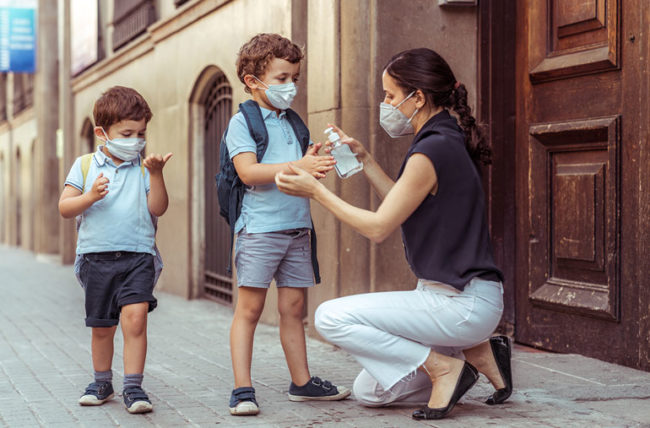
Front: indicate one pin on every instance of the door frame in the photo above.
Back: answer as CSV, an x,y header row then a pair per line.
x,y
496,109
196,256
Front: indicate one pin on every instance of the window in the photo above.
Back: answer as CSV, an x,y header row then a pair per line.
x,y
23,91
130,19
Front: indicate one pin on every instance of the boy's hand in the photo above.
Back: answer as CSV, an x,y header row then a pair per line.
x,y
155,163
314,164
99,189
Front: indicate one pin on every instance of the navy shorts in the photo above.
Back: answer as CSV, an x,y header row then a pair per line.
x,y
115,279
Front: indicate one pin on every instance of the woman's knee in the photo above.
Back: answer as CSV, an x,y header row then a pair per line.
x,y
326,320
365,390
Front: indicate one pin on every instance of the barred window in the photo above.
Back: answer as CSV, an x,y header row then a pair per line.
x,y
130,19
23,91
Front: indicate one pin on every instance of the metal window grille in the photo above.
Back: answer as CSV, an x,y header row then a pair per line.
x,y
130,19
218,109
23,91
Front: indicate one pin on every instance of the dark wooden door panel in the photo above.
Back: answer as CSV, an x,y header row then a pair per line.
x,y
578,177
574,203
573,38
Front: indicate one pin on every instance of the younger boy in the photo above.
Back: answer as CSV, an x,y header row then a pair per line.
x,y
117,194
273,228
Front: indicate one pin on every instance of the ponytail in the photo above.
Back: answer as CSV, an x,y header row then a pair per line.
x,y
475,141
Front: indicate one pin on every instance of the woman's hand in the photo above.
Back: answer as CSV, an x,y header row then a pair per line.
x,y
299,183
355,146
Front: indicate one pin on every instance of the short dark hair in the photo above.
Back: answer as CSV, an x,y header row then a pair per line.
x,y
254,56
120,103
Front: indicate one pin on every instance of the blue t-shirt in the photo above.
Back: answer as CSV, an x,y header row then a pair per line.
x,y
264,207
121,220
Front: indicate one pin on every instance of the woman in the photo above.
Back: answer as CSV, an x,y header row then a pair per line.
x,y
408,341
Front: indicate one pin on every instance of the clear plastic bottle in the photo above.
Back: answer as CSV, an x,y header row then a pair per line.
x,y
346,162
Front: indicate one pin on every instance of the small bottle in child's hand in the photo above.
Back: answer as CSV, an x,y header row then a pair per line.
x,y
346,162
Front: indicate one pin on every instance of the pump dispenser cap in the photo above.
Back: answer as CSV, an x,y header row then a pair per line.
x,y
331,135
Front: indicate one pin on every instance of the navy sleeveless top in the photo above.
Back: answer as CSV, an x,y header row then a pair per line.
x,y
446,239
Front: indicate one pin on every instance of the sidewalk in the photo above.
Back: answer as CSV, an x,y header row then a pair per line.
x,y
45,366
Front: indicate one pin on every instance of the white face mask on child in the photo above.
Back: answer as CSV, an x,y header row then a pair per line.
x,y
126,149
280,96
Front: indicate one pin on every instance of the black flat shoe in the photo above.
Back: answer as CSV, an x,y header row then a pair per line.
x,y
466,380
502,351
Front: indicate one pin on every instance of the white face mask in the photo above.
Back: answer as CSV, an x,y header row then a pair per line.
x,y
126,149
394,122
280,96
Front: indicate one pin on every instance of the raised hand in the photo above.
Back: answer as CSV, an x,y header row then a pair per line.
x,y
99,189
355,145
315,164
155,162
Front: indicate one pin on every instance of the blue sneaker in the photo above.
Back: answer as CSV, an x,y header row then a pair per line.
x,y
317,390
136,400
242,402
97,393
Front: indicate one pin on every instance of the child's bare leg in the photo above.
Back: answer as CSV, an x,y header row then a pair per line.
x,y
102,348
481,357
292,332
134,329
250,303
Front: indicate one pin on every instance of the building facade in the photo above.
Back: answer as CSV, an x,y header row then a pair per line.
x,y
569,258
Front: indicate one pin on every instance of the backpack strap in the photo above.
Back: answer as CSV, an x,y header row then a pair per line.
x,y
299,128
85,166
255,122
302,133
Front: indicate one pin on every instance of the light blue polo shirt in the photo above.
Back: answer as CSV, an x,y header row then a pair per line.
x,y
121,220
264,207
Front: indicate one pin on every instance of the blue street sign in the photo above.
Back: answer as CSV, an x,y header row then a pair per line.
x,y
18,36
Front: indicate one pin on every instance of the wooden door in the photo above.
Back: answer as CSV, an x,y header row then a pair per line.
x,y
579,85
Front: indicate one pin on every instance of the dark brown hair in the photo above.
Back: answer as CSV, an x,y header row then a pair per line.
x,y
120,103
254,56
427,71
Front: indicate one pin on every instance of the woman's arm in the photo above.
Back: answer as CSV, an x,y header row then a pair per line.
x,y
253,173
417,181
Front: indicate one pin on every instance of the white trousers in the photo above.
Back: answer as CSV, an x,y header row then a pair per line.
x,y
392,333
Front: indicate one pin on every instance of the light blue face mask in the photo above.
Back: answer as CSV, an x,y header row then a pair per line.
x,y
280,96
126,149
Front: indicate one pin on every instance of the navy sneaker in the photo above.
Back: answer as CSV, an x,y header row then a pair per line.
x,y
136,400
242,402
317,390
97,393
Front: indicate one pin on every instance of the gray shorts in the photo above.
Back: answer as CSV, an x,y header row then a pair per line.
x,y
284,255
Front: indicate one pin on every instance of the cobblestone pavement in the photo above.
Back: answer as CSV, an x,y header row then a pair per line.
x,y
45,365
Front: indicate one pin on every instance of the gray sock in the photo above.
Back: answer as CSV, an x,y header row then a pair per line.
x,y
106,376
133,380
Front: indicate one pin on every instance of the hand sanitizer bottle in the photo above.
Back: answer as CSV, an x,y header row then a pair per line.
x,y
346,162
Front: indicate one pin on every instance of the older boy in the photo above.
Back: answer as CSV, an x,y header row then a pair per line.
x,y
273,228
117,195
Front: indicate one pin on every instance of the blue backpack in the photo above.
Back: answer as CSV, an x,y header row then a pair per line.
x,y
230,188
